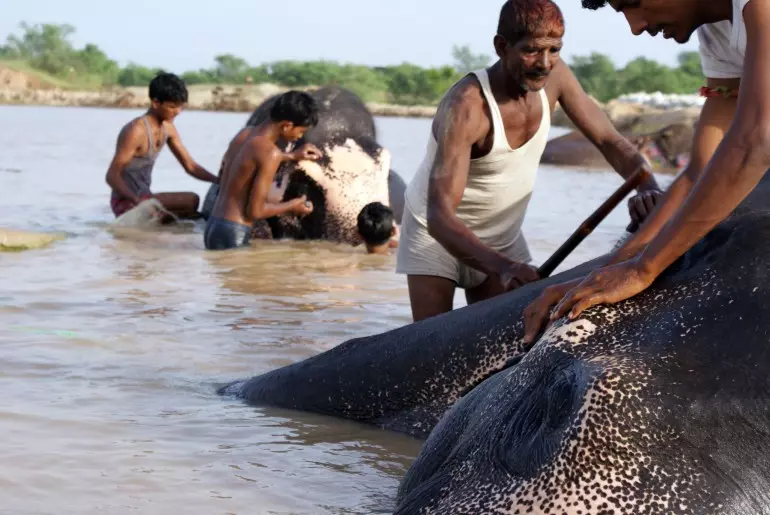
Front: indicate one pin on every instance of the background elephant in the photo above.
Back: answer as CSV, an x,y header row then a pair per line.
x,y
666,148
354,171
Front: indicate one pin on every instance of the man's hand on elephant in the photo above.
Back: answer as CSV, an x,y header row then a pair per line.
x,y
514,275
606,285
641,205
537,314
308,151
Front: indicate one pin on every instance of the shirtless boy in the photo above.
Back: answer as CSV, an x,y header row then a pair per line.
x,y
249,168
139,143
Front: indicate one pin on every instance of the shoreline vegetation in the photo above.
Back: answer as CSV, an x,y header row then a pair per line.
x,y
40,66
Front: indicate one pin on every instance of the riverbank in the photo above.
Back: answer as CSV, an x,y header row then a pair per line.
x,y
21,88
635,113
202,98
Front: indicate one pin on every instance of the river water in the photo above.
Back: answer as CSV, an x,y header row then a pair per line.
x,y
113,344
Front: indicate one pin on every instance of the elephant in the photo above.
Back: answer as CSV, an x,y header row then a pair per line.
x,y
667,148
354,171
655,404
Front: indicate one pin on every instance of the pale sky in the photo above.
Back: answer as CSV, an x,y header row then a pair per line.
x,y
183,35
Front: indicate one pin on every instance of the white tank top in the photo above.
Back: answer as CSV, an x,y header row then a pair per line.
x,y
499,184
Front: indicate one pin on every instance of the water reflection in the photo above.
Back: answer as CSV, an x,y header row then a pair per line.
x,y
115,341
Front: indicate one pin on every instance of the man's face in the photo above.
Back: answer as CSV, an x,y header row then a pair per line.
x,y
167,111
676,19
529,62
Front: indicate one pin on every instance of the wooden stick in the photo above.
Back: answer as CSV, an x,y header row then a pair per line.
x,y
590,223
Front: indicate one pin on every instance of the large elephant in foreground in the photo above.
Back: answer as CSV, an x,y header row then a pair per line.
x,y
658,404
354,171
666,148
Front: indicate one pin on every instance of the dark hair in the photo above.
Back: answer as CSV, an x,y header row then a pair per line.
x,y
167,87
296,107
594,4
526,18
375,223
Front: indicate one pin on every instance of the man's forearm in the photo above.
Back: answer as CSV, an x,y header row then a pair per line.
x,y
460,241
626,160
729,177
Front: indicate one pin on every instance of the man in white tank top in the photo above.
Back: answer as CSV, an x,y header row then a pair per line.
x,y
464,208
729,154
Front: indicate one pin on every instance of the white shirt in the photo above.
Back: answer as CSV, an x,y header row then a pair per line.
x,y
723,45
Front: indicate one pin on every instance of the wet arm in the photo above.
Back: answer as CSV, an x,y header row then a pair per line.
x,y
715,119
260,206
184,158
457,131
740,161
598,129
129,142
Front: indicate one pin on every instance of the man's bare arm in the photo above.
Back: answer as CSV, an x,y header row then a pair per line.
x,y
714,121
461,122
184,158
740,161
598,129
268,161
129,141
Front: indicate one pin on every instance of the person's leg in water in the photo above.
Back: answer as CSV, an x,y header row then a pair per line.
x,y
182,205
430,295
491,287
221,234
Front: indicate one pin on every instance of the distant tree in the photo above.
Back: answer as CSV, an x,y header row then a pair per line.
x,y
230,67
466,61
137,75
689,62
47,47
597,74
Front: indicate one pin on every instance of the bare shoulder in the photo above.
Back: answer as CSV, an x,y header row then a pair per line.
x,y
465,95
170,129
263,149
463,107
132,133
564,82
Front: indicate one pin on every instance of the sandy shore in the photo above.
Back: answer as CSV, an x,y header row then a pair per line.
x,y
18,88
203,98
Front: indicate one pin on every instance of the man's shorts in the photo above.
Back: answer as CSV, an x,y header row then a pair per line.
x,y
120,204
420,254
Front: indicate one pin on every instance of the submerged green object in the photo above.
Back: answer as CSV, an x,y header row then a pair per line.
x,y
12,240
57,332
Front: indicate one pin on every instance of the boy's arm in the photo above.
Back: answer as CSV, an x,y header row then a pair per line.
x,y
183,156
267,163
129,141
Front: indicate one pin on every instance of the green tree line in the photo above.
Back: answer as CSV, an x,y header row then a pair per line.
x,y
48,48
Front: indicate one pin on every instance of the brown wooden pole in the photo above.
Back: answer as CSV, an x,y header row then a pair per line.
x,y
590,223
